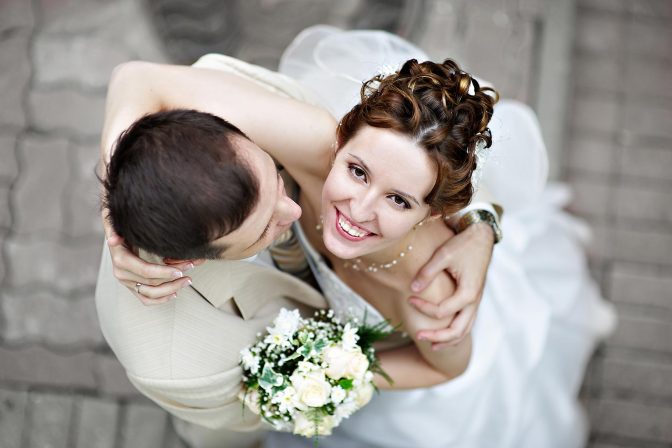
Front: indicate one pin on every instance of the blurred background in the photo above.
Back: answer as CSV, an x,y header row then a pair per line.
x,y
598,73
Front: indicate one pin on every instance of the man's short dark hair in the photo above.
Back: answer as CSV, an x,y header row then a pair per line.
x,y
175,183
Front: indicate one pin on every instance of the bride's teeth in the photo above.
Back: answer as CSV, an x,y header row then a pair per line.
x,y
349,229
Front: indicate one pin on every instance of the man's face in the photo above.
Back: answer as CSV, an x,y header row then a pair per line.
x,y
273,214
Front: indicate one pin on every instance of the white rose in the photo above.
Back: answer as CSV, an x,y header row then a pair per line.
x,y
312,389
251,399
363,394
306,427
345,363
358,366
337,361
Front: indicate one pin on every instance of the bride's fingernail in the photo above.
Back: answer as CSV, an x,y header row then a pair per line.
x,y
415,286
189,267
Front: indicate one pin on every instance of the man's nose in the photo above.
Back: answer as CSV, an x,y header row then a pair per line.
x,y
288,211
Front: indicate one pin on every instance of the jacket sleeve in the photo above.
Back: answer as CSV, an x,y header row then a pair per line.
x,y
210,401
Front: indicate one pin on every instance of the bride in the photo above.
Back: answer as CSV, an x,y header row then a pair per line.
x,y
374,202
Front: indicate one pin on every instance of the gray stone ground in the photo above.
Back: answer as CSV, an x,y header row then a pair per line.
x,y
59,384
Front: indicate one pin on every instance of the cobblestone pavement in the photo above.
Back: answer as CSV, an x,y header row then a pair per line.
x,y
59,384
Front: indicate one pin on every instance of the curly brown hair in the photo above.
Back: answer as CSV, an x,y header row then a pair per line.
x,y
431,104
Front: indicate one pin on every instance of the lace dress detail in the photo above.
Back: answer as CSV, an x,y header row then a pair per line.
x,y
342,299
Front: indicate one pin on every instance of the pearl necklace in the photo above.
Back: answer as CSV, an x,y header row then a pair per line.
x,y
358,264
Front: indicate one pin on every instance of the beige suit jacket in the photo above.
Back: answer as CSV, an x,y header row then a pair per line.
x,y
184,354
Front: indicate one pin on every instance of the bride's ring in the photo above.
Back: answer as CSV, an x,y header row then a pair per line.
x,y
137,287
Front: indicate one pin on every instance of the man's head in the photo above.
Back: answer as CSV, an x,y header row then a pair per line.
x,y
184,184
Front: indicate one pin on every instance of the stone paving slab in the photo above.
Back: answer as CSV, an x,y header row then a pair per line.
x,y
38,191
8,167
144,426
5,217
97,423
625,418
640,285
592,156
41,263
50,420
14,80
646,162
51,320
39,366
85,115
642,333
644,378
12,417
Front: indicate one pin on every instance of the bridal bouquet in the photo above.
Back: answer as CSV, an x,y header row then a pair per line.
x,y
306,375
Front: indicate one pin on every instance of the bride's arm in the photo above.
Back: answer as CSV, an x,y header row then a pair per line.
x,y
451,361
408,370
418,365
296,134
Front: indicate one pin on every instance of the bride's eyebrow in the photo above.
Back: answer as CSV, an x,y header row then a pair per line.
x,y
400,193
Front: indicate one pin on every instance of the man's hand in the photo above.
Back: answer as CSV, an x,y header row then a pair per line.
x,y
466,257
158,283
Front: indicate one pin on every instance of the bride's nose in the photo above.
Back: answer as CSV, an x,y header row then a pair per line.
x,y
362,208
288,211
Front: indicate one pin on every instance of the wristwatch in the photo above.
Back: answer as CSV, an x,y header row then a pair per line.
x,y
476,216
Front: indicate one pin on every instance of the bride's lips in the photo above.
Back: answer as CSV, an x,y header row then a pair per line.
x,y
341,219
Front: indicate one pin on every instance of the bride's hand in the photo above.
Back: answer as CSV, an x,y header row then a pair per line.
x,y
159,283
466,257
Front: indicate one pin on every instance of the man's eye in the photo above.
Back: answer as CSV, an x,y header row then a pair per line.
x,y
399,201
358,172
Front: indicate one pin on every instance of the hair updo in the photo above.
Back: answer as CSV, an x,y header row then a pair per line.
x,y
431,104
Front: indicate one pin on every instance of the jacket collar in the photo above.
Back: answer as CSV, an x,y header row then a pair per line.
x,y
250,286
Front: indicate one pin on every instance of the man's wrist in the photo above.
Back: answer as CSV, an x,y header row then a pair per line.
x,y
482,231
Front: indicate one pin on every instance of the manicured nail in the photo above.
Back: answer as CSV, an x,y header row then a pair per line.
x,y
177,274
189,267
173,296
415,286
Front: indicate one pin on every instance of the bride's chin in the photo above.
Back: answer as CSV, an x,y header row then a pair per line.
x,y
336,248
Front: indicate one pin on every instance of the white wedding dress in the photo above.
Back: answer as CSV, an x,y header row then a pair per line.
x,y
541,314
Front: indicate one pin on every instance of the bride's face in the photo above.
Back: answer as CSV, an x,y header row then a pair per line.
x,y
375,192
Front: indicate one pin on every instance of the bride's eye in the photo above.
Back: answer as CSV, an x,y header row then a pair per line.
x,y
357,172
399,201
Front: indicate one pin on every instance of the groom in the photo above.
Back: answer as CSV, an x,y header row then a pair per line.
x,y
183,353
